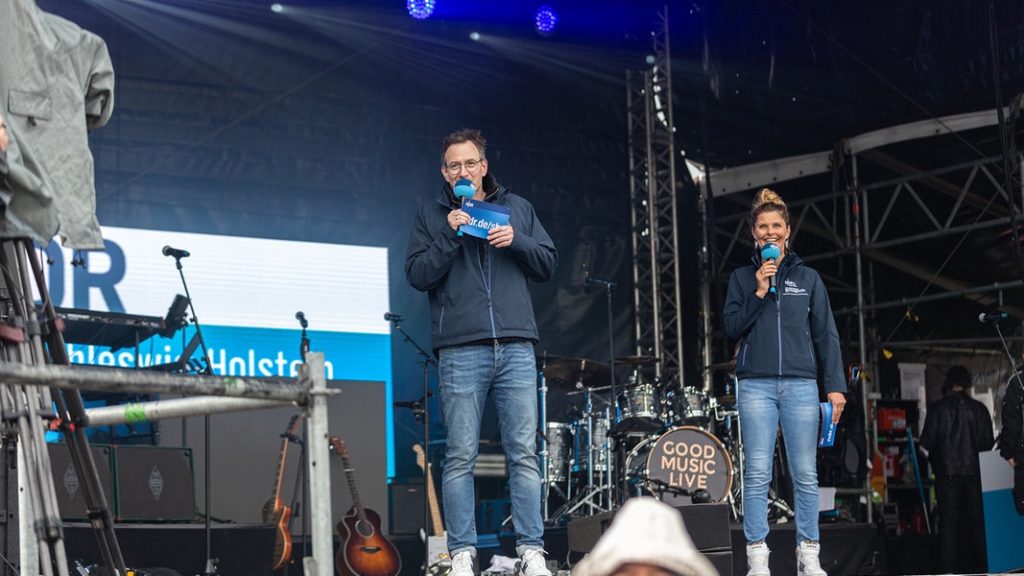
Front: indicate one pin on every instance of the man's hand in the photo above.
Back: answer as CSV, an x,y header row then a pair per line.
x,y
501,236
3,134
838,401
457,218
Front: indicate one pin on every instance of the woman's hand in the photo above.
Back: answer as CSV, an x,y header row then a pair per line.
x,y
763,275
838,401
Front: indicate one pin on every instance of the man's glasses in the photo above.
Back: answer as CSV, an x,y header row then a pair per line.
x,y
456,167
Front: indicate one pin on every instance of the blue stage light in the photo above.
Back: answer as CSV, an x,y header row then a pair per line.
x,y
276,8
420,9
546,19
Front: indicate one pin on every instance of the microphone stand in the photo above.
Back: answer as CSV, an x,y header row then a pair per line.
x,y
426,360
210,568
303,351
304,341
609,287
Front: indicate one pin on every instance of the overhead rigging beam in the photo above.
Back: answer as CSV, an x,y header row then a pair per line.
x,y
741,178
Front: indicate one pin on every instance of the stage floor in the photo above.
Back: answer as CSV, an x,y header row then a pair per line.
x,y
847,549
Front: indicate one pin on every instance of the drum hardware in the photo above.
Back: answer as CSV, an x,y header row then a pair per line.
x,y
586,439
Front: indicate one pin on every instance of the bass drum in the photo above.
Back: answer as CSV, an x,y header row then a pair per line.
x,y
675,464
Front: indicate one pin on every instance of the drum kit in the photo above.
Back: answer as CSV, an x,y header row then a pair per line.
x,y
676,443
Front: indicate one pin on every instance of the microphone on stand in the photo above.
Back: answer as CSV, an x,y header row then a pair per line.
x,y
392,317
177,253
990,317
463,189
302,319
770,252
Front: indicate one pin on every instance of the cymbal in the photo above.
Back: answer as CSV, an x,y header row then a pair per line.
x,y
727,365
567,372
546,357
635,360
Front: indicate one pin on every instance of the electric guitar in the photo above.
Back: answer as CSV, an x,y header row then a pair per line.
x,y
364,550
274,511
438,562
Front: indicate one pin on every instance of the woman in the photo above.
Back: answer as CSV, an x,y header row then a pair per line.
x,y
787,334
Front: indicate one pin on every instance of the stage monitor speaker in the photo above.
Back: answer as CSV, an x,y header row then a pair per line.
x,y
707,525
405,506
154,484
70,488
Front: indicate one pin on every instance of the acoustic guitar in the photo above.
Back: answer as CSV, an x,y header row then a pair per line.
x,y
274,511
438,562
364,550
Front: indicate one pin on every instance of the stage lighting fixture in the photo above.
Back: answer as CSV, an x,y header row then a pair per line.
x,y
420,9
546,20
276,8
474,36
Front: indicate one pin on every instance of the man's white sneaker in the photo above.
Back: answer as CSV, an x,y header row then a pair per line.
x,y
462,564
532,563
807,559
757,559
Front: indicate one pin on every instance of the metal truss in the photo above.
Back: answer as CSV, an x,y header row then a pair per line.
x,y
657,286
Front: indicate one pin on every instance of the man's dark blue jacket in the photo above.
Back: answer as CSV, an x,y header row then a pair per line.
x,y
790,334
476,291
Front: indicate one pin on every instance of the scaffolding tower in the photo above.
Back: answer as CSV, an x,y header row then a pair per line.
x,y
657,285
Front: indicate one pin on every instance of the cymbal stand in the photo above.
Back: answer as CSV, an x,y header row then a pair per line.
x,y
542,425
609,287
734,442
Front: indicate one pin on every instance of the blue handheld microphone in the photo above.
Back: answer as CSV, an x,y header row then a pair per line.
x,y
770,252
463,189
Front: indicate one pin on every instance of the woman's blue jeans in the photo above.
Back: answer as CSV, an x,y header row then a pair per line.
x,y
764,404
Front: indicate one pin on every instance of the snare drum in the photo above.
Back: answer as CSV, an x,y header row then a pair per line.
x,y
640,409
684,458
559,449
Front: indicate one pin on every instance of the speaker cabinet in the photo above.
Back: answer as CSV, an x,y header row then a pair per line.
x,y
707,525
70,488
405,506
154,484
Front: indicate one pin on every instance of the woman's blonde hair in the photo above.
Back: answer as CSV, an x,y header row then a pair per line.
x,y
767,200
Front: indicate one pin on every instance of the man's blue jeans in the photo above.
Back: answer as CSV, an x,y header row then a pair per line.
x,y
467,374
764,404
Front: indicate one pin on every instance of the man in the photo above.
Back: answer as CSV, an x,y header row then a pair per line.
x,y
956,429
647,538
483,332
1011,438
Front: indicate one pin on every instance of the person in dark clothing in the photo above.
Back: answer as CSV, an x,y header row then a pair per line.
x,y
956,429
1011,437
788,334
483,332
